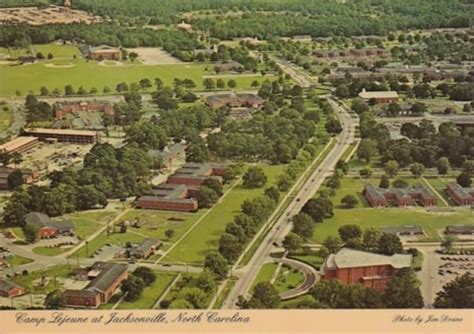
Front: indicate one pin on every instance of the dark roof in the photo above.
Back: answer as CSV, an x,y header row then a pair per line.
x,y
41,220
460,228
109,273
460,191
80,293
6,286
401,229
145,246
374,192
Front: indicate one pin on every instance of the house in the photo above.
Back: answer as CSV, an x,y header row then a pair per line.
x,y
460,229
19,145
381,197
106,277
402,230
60,109
29,176
194,174
60,135
228,67
48,228
358,267
460,195
103,52
172,197
379,96
9,289
145,249
234,100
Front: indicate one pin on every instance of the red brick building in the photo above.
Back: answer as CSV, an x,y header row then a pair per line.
x,y
379,96
234,101
60,109
357,267
104,52
9,289
194,174
29,176
106,278
48,228
172,197
381,197
69,136
460,195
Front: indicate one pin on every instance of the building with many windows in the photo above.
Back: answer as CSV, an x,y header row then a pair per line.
x,y
60,135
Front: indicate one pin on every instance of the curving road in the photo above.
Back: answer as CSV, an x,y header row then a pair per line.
x,y
310,274
282,227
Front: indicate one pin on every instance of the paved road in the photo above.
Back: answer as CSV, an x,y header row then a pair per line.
x,y
281,228
310,274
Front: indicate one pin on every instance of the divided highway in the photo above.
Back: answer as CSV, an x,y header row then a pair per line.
x,y
282,227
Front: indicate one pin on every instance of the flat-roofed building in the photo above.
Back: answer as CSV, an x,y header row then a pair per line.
x,y
234,100
64,135
381,197
106,279
104,52
169,153
29,176
20,144
358,267
379,96
194,174
145,249
460,229
460,195
60,109
170,197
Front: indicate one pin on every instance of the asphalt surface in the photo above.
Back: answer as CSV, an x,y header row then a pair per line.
x,y
281,228
310,274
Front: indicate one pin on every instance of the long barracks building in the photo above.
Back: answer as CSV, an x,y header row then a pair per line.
x,y
69,136
61,109
380,197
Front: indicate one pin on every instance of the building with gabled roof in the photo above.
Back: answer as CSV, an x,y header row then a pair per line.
x,y
60,109
460,195
145,248
379,96
48,228
9,289
369,269
381,197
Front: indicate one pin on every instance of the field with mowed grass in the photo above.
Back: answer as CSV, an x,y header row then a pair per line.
x,y
79,72
205,236
6,118
432,223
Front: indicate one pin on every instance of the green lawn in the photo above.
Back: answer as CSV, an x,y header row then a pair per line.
x,y
431,222
85,227
32,280
150,294
58,51
288,279
225,292
205,236
265,274
18,231
312,260
89,74
6,118
440,183
49,251
18,260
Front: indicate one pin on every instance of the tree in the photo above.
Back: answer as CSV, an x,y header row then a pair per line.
x,y
265,296
389,244
132,288
273,193
214,185
50,56
342,91
54,300
349,201
15,179
365,172
403,291
303,225
145,83
347,232
31,232
196,296
443,166
209,84
367,149
206,281
333,126
146,274
39,55
44,91
220,83
447,243
464,179
319,209
332,244
400,183
254,177
181,304
232,83
68,90
417,169
394,109
391,168
169,233
457,294
292,242
370,239
384,182
229,246
217,264
206,197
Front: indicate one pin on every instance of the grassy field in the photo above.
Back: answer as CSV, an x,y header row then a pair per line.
x,y
312,260
288,279
18,260
431,222
439,184
79,72
6,118
150,294
265,274
32,280
225,292
49,251
205,236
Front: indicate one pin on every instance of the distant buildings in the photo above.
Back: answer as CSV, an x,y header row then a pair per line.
x,y
105,280
102,52
19,145
9,289
194,174
460,230
169,153
70,136
461,196
379,97
381,197
48,228
29,176
346,54
402,230
144,249
372,270
60,109
184,26
234,100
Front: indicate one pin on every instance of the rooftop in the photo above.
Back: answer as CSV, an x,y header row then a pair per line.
x,y
109,273
45,131
350,258
17,143
378,94
7,285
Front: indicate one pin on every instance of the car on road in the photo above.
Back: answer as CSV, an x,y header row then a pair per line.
x,y
298,199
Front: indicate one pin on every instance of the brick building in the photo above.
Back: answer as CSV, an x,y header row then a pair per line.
x,y
103,52
9,289
348,54
29,176
234,100
357,267
379,96
105,277
460,195
48,228
69,136
459,230
60,109
173,197
381,197
194,174
145,249
402,230
19,145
